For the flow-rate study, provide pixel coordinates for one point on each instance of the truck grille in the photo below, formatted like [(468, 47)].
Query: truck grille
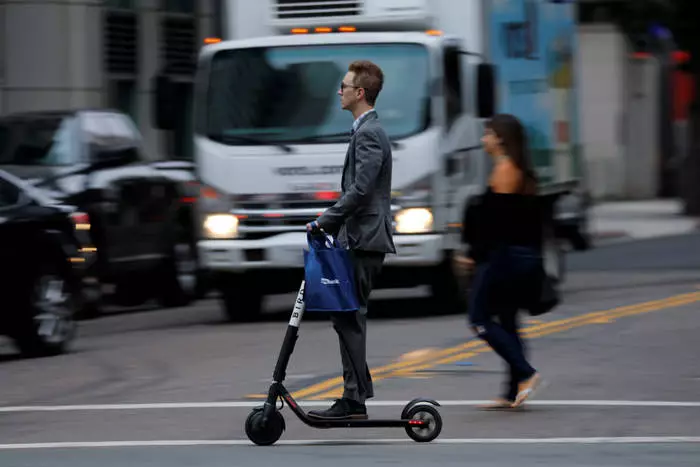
[(260, 220), (291, 9)]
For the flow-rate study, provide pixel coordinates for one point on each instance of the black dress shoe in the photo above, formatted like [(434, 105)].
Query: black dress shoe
[(342, 409)]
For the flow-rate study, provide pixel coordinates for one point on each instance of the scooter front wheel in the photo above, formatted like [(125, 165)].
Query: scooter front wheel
[(267, 434), (426, 413)]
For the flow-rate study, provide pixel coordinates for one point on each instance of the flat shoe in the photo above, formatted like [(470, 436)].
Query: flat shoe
[(497, 404), (526, 389)]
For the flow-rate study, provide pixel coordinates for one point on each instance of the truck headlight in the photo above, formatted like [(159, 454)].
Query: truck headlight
[(414, 220), (220, 226)]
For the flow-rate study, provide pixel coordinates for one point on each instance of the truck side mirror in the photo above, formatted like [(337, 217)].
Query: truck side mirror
[(486, 90), (163, 103)]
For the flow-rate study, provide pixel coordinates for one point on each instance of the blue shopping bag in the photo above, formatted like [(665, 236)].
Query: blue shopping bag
[(329, 277)]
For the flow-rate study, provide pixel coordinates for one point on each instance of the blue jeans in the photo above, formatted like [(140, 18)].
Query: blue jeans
[(498, 288)]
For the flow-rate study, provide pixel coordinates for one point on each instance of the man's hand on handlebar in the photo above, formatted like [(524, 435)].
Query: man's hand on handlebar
[(314, 228)]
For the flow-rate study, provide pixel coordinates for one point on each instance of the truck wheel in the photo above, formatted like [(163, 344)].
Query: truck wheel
[(554, 258), (47, 325), (241, 299), (92, 301), (132, 291), (581, 235), (448, 292), (178, 276)]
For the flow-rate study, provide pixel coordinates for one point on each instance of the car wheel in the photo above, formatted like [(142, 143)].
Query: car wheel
[(449, 291), (48, 326)]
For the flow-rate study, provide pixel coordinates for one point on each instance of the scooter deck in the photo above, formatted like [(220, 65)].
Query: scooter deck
[(277, 390), (360, 423)]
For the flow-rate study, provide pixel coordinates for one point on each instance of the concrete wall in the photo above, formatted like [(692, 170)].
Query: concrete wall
[(619, 115), (603, 54), (642, 159), (51, 57)]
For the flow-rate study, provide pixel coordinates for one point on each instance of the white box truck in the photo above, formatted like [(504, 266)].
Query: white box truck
[(270, 136)]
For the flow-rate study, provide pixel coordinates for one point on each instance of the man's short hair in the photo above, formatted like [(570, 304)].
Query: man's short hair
[(369, 77)]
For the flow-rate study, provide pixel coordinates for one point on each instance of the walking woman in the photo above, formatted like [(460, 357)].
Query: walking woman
[(504, 233)]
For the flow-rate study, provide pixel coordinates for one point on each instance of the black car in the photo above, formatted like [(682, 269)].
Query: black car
[(41, 268), (140, 228)]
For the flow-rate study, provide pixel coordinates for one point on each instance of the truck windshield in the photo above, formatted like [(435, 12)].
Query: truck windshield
[(289, 94)]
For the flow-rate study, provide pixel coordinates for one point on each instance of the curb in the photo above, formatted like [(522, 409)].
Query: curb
[(609, 235)]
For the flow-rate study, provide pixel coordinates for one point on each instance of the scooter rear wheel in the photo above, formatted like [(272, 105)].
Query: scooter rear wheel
[(426, 413), (267, 434)]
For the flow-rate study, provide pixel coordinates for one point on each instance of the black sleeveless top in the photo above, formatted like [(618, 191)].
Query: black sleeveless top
[(493, 220)]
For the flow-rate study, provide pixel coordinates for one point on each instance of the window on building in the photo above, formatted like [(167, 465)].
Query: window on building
[(121, 95), (121, 56), (178, 49), (180, 6), (183, 142), (124, 4)]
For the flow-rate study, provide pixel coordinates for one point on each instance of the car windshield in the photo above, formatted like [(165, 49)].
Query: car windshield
[(289, 94), (45, 141)]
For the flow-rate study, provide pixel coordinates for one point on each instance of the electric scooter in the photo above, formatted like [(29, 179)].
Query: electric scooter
[(265, 424)]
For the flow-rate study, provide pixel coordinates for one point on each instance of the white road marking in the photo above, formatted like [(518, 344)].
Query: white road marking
[(309, 442), (316, 403)]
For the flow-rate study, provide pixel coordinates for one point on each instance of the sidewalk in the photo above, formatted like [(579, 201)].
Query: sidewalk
[(640, 219)]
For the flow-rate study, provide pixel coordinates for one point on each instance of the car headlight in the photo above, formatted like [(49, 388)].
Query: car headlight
[(220, 226), (414, 220)]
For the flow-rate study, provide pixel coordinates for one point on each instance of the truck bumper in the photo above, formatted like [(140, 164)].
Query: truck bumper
[(286, 251)]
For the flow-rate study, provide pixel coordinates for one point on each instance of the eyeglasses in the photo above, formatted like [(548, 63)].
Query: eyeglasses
[(344, 85)]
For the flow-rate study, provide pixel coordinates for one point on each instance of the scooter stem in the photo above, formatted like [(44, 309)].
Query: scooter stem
[(290, 338)]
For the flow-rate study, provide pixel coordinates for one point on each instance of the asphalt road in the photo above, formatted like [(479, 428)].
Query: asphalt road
[(173, 387)]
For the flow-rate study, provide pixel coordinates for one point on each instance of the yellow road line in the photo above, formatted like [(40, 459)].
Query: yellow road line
[(330, 383), (332, 388), (325, 385), (337, 392)]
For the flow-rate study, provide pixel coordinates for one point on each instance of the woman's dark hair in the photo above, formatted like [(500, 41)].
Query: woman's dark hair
[(512, 132)]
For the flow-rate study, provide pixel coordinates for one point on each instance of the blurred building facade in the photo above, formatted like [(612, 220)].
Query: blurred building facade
[(58, 54), (633, 118)]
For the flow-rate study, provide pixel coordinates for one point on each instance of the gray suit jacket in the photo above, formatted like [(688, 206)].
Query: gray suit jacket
[(362, 216)]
